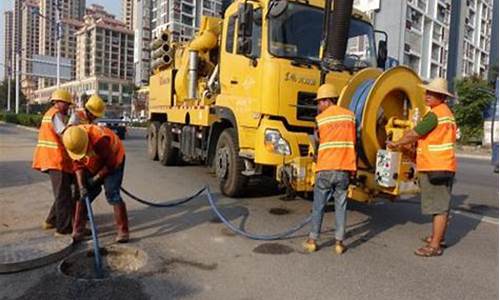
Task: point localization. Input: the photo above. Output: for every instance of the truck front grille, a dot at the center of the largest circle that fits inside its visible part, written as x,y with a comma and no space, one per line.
306,108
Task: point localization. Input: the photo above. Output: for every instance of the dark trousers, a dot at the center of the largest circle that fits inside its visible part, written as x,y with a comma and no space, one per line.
61,212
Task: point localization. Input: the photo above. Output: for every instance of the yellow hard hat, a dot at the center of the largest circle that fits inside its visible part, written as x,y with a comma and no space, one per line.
75,140
327,90
61,95
96,106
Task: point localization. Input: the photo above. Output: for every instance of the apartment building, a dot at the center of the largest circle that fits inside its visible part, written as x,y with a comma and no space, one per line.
8,42
418,33
424,34
477,39
142,35
29,46
104,61
181,17
128,10
71,15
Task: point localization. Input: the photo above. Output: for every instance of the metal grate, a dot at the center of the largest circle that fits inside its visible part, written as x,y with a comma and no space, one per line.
306,108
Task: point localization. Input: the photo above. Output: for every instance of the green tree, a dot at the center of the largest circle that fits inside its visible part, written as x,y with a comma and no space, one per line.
4,96
474,97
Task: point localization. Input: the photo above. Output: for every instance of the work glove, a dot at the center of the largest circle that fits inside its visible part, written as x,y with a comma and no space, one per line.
93,182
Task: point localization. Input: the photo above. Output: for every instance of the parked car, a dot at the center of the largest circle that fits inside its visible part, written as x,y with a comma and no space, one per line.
114,122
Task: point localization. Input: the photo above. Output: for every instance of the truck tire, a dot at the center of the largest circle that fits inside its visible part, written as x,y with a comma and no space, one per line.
229,165
167,154
153,129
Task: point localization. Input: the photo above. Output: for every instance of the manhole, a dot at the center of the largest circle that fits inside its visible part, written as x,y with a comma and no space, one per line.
273,248
279,211
116,260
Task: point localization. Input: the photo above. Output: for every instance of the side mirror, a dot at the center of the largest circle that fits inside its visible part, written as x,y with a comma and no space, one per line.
382,54
245,27
382,49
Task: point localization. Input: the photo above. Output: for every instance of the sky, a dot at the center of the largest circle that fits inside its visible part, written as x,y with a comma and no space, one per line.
112,6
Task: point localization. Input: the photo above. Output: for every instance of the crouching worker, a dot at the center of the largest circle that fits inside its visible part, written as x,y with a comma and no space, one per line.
99,160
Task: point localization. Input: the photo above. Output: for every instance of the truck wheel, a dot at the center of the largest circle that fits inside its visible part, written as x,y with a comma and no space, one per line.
229,165
153,129
167,154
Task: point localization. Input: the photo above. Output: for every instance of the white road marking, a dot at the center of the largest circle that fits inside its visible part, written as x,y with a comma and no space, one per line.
476,216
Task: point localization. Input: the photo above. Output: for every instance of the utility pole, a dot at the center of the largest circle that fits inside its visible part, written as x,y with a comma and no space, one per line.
9,79
59,33
17,82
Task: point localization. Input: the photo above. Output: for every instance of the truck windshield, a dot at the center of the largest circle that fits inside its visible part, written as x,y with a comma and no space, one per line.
297,32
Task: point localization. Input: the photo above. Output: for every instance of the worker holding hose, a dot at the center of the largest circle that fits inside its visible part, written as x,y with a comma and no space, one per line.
436,163
98,159
336,161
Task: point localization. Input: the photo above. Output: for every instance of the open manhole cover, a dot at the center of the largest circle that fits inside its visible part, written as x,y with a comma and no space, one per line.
29,253
116,261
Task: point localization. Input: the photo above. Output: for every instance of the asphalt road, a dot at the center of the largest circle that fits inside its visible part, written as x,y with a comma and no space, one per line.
191,255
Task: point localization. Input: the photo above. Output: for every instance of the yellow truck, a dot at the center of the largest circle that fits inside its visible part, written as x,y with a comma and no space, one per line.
239,97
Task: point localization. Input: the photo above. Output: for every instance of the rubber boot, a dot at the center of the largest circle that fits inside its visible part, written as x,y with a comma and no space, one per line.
121,219
79,221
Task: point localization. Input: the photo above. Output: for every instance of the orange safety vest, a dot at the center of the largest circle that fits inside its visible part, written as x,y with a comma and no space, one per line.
436,150
337,137
91,161
50,153
82,116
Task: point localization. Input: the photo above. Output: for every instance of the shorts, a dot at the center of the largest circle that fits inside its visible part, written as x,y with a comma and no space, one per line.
435,199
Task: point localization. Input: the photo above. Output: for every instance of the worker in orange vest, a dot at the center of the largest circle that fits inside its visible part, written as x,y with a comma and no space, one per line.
99,159
336,162
51,157
93,109
436,163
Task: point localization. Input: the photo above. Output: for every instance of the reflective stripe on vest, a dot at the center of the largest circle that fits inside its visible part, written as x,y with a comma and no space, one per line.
50,153
436,150
337,135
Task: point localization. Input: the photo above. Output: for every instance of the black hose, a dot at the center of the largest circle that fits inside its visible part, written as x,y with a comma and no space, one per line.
170,204
222,217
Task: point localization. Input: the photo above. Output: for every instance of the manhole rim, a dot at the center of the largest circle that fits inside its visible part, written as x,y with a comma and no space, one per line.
84,251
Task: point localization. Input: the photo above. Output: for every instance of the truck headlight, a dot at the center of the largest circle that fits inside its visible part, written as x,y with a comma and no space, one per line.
274,142
103,124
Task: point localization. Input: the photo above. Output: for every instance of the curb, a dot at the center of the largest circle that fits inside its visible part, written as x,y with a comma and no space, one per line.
473,156
20,126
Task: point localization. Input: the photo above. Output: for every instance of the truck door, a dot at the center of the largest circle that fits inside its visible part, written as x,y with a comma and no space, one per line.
240,74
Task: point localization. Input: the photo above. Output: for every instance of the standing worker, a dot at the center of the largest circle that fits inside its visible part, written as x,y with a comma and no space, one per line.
335,163
99,159
51,157
94,108
436,162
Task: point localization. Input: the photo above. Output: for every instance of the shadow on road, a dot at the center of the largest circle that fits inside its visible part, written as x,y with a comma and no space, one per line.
384,216
19,173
